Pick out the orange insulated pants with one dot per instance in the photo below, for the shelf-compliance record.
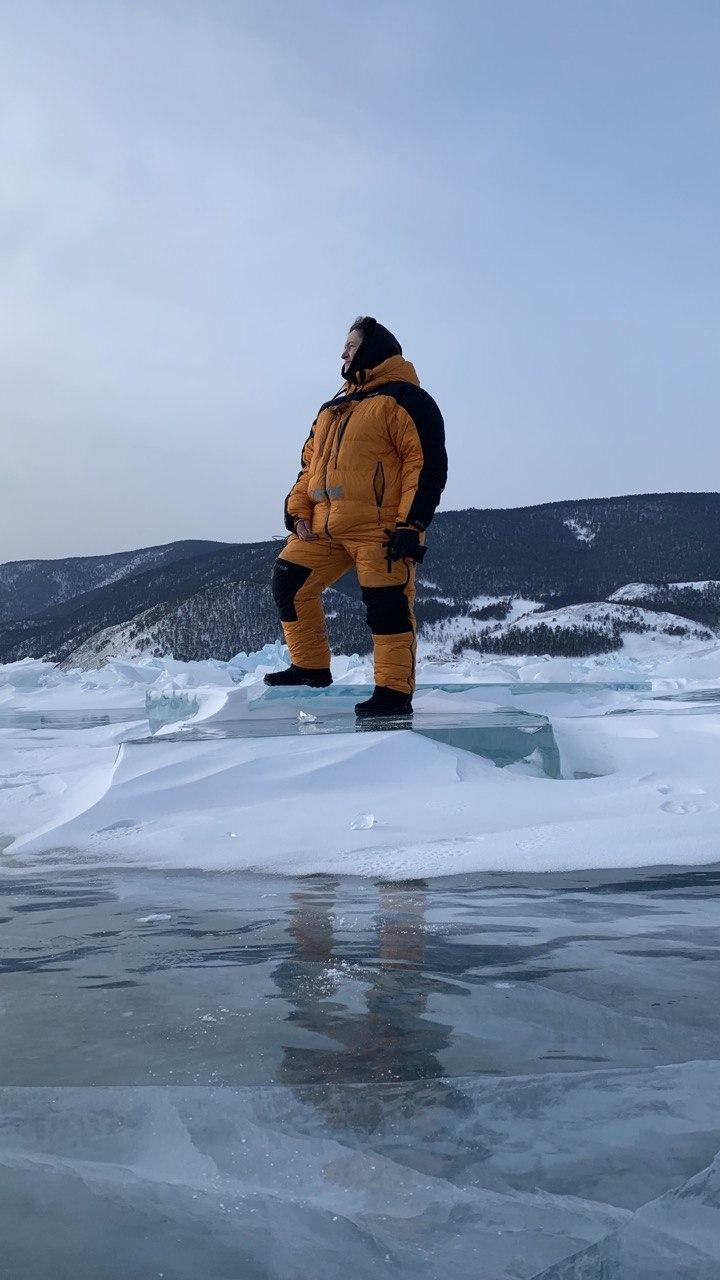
(303, 571)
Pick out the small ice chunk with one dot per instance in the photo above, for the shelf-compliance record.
(306, 717)
(363, 822)
(158, 915)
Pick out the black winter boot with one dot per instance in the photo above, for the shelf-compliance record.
(385, 702)
(316, 677)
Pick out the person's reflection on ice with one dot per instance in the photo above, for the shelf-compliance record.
(389, 1039)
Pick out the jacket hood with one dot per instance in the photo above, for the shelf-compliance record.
(377, 345)
(396, 369)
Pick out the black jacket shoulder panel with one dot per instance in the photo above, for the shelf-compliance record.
(428, 421)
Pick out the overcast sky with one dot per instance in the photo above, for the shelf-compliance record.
(197, 196)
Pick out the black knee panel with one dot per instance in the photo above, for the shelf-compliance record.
(287, 580)
(388, 611)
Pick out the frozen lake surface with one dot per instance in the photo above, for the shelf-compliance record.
(235, 1076)
(280, 1000)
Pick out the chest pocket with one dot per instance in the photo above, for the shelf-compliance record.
(339, 437)
(379, 484)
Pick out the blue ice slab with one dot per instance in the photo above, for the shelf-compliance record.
(504, 736)
(72, 718)
(521, 688)
(499, 732)
(502, 739)
(516, 688)
(346, 692)
(690, 695)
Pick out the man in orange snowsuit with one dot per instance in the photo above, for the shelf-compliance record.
(373, 469)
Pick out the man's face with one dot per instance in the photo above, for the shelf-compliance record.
(352, 342)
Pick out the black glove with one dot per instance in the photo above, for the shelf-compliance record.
(404, 544)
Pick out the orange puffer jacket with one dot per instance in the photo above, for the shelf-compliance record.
(375, 457)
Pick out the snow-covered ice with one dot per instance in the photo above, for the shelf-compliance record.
(640, 778)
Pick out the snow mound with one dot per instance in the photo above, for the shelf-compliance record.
(437, 810)
(639, 786)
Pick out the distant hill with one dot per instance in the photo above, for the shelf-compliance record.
(484, 571)
(218, 621)
(574, 551)
(576, 630)
(28, 587)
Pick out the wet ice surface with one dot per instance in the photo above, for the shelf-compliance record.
(72, 718)
(238, 1076)
(229, 1076)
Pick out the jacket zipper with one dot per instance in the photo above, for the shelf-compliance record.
(338, 438)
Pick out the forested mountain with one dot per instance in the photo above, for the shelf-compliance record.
(28, 587)
(573, 551)
(208, 599)
(217, 621)
(64, 626)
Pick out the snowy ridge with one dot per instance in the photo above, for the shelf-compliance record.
(608, 617)
(128, 640)
(528, 627)
(647, 590)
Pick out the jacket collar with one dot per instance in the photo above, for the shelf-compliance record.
(395, 369)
